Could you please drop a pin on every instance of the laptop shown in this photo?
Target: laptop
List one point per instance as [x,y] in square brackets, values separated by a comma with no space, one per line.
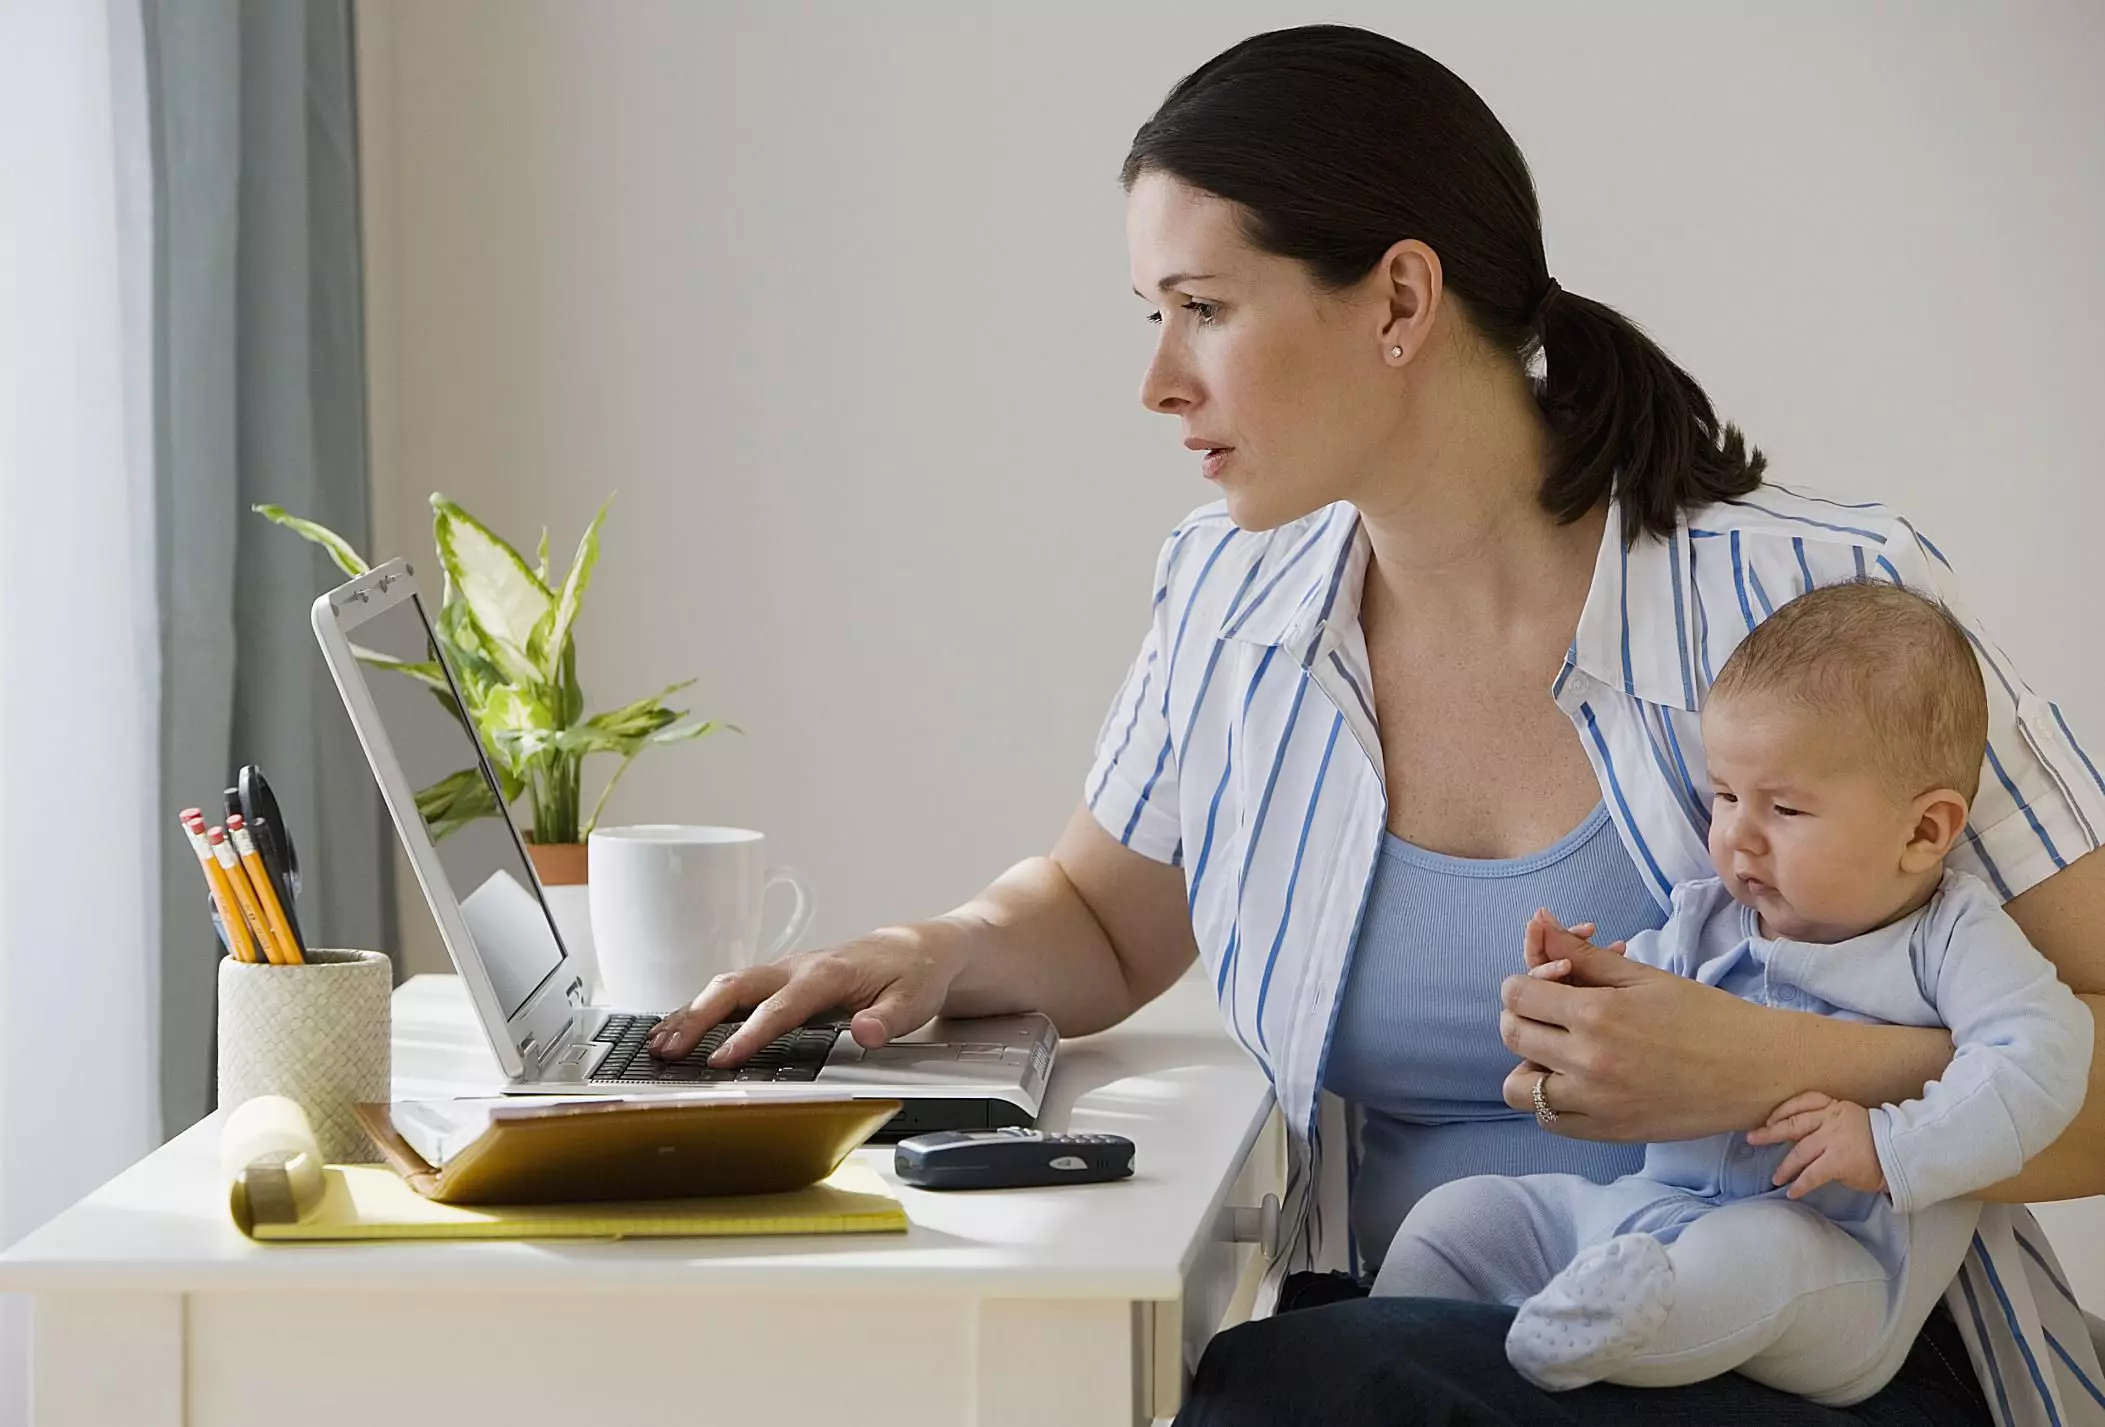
[983,1073]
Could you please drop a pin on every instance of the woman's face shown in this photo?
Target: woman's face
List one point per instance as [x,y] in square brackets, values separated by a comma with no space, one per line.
[1296,384]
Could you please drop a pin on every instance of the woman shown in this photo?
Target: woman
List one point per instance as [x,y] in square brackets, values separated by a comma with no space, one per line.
[1435,660]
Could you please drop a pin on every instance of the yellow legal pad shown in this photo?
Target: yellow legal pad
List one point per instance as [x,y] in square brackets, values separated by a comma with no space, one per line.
[372,1202]
[577,1171]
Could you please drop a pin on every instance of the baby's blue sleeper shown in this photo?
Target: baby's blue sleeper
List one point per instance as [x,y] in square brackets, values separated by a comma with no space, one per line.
[1697,1264]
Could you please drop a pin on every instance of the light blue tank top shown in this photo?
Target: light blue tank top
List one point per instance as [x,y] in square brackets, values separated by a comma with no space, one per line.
[1416,1046]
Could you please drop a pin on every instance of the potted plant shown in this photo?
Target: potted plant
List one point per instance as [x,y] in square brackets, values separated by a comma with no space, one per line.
[507,634]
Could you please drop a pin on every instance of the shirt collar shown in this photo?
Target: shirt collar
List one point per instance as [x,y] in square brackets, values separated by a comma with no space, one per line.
[1634,634]
[1308,575]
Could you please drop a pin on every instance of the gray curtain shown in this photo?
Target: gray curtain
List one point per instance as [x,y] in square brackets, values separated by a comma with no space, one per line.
[259,394]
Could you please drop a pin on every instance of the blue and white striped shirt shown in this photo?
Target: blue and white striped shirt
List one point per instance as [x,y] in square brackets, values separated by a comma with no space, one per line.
[1243,748]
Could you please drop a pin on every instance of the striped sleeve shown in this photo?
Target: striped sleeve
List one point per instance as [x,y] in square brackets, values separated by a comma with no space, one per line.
[1132,784]
[2041,803]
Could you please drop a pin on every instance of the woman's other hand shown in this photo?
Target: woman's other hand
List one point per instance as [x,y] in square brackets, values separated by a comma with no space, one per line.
[894,980]
[1633,1052]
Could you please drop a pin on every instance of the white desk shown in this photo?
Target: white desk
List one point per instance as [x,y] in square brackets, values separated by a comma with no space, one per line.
[1065,1306]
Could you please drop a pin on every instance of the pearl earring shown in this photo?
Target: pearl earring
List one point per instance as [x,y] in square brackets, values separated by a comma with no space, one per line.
[1395,351]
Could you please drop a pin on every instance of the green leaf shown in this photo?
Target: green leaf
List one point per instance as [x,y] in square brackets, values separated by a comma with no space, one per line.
[541,558]
[453,711]
[454,801]
[554,638]
[427,672]
[521,746]
[504,601]
[570,697]
[641,718]
[347,559]
[456,630]
[687,731]
[520,727]
[585,739]
[508,706]
[511,785]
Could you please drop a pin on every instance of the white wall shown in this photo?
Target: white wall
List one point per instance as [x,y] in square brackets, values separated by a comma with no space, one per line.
[836,296]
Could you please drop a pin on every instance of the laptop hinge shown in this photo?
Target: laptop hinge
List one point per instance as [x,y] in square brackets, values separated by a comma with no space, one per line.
[538,1057]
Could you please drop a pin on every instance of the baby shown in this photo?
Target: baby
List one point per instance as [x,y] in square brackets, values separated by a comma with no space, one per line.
[1844,739]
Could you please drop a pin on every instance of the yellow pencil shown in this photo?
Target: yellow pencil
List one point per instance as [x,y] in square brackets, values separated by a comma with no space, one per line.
[243,893]
[266,892]
[230,919]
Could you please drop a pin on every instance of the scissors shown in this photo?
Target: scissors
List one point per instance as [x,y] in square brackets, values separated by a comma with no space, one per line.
[252,799]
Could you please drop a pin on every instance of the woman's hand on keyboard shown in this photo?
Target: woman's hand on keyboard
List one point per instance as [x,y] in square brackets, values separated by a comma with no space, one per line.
[893,980]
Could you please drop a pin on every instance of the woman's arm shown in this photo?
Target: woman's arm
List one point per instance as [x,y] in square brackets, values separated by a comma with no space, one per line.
[1087,935]
[1610,1034]
[1638,1053]
[2064,917]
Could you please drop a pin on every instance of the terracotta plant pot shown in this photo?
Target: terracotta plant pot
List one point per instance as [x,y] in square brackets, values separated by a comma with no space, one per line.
[560,864]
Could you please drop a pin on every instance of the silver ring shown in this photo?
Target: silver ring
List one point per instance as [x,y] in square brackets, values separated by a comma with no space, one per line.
[1544,1115]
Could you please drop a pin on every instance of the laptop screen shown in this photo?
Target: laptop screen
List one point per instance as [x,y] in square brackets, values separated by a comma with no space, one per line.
[484,860]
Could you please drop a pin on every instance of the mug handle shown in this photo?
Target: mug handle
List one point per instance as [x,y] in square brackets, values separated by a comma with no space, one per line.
[799,916]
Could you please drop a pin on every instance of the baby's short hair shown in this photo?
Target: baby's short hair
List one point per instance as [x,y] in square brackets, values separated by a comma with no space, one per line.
[1897,663]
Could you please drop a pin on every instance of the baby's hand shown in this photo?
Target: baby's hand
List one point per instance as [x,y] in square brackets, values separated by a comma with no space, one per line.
[1833,1144]
[1547,946]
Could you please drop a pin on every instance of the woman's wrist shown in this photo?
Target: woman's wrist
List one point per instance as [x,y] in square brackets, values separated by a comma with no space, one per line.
[1795,1051]
[1026,943]
[1748,1067]
[1779,1050]
[946,942]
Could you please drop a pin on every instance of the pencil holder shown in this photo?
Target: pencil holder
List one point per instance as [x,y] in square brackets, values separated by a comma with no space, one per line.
[316,1034]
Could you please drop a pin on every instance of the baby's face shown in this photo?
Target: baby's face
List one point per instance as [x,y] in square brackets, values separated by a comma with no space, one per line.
[1802,829]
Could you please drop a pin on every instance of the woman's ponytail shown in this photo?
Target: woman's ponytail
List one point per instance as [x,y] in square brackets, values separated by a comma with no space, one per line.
[1622,413]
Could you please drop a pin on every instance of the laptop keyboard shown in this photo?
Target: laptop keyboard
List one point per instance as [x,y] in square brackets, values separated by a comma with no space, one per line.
[794,1055]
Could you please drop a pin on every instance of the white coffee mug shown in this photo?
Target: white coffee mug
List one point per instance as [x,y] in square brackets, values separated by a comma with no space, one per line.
[674,905]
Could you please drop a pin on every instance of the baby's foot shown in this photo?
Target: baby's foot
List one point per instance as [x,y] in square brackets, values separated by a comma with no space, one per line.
[1603,1310]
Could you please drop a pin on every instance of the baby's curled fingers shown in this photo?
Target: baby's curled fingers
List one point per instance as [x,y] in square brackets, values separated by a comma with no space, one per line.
[1534,940]
[1794,1119]
[1799,1165]
[1822,1170]
[1792,1127]
[1800,1103]
[1547,940]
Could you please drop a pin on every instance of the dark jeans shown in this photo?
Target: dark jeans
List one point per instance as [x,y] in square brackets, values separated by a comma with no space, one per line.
[1416,1362]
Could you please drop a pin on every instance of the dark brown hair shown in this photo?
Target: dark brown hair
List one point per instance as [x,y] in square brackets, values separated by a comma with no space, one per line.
[1894,666]
[1336,143]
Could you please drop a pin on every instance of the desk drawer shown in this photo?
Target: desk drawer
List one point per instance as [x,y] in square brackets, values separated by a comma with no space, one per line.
[1221,1283]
